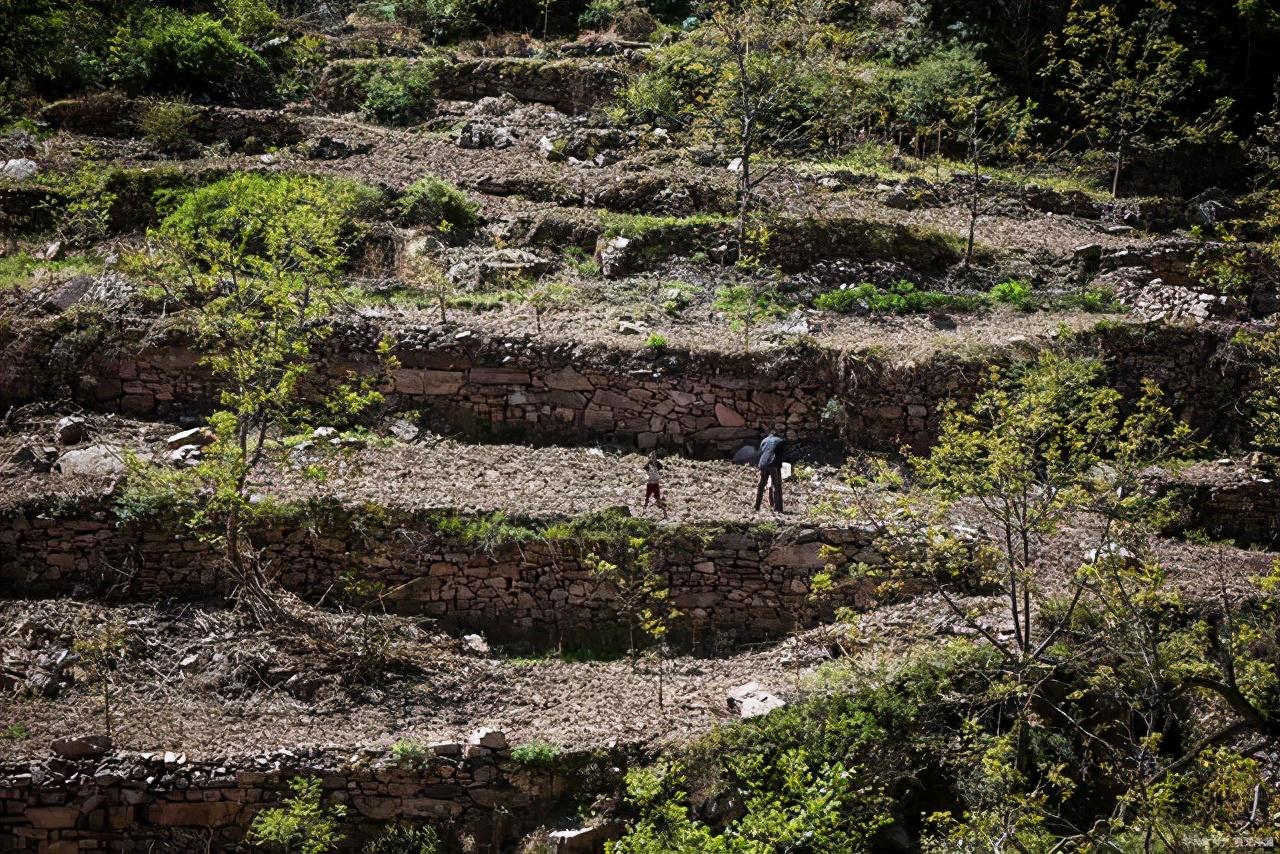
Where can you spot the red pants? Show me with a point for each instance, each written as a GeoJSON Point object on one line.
{"type": "Point", "coordinates": [653, 491]}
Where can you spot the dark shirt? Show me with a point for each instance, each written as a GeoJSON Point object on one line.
{"type": "Point", "coordinates": [771, 451]}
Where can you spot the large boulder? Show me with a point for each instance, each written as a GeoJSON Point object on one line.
{"type": "Point", "coordinates": [92, 461]}
{"type": "Point", "coordinates": [82, 746]}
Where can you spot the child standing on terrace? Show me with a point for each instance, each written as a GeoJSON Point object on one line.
{"type": "Point", "coordinates": [653, 491]}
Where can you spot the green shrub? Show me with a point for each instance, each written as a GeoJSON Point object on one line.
{"type": "Point", "coordinates": [902, 297]}
{"type": "Point", "coordinates": [1013, 292]}
{"type": "Point", "coordinates": [433, 201]}
{"type": "Point", "coordinates": [581, 262]}
{"type": "Point", "coordinates": [167, 125]}
{"type": "Point", "coordinates": [842, 301]}
{"type": "Point", "coordinates": [302, 824]}
{"type": "Point", "coordinates": [405, 839]}
{"type": "Point", "coordinates": [14, 732]}
{"type": "Point", "coordinates": [438, 20]}
{"type": "Point", "coordinates": [1097, 300]}
{"type": "Point", "coordinates": [162, 50]}
{"type": "Point", "coordinates": [656, 341]}
{"type": "Point", "coordinates": [242, 209]}
{"type": "Point", "coordinates": [250, 19]}
{"type": "Point", "coordinates": [536, 753]}
{"type": "Point", "coordinates": [398, 92]}
{"type": "Point", "coordinates": [409, 755]}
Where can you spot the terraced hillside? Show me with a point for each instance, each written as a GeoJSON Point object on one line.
{"type": "Point", "coordinates": [336, 340]}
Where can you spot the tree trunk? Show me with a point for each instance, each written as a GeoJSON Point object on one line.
{"type": "Point", "coordinates": [1115, 177]}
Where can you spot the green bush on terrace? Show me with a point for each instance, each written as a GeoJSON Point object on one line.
{"type": "Point", "coordinates": [240, 214]}
{"type": "Point", "coordinates": [162, 50]}
{"type": "Point", "coordinates": [434, 201]}
{"type": "Point", "coordinates": [902, 297]}
{"type": "Point", "coordinates": [638, 225]}
{"type": "Point", "coordinates": [398, 92]}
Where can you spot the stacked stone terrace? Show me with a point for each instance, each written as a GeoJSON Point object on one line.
{"type": "Point", "coordinates": [549, 427]}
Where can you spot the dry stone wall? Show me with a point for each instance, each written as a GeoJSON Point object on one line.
{"type": "Point", "coordinates": [701, 403]}
{"type": "Point", "coordinates": [1230, 500]}
{"type": "Point", "coordinates": [162, 802]}
{"type": "Point", "coordinates": [732, 585]}
{"type": "Point", "coordinates": [569, 85]}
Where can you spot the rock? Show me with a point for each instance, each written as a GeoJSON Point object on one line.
{"type": "Point", "coordinates": [31, 458]}
{"type": "Point", "coordinates": [324, 433]}
{"type": "Point", "coordinates": [500, 265]}
{"type": "Point", "coordinates": [735, 165]}
{"type": "Point", "coordinates": [752, 700]}
{"type": "Point", "coordinates": [629, 327]}
{"type": "Point", "coordinates": [53, 252]}
{"type": "Point", "coordinates": [81, 746]}
{"type": "Point", "coordinates": [403, 430]}
{"type": "Point", "coordinates": [198, 436]}
{"type": "Point", "coordinates": [19, 169]}
{"type": "Point", "coordinates": [583, 840]}
{"type": "Point", "coordinates": [746, 455]}
{"type": "Point", "coordinates": [1112, 551]}
{"type": "Point", "coordinates": [1087, 255]}
{"type": "Point", "coordinates": [92, 461]}
{"type": "Point", "coordinates": [69, 430]}
{"type": "Point", "coordinates": [1118, 229]}
{"type": "Point", "coordinates": [187, 455]}
{"type": "Point", "coordinates": [899, 199]}
{"type": "Point", "coordinates": [550, 150]}
{"type": "Point", "coordinates": [612, 257]}
{"type": "Point", "coordinates": [331, 148]}
{"type": "Point", "coordinates": [476, 644]}
{"type": "Point", "coordinates": [493, 739]}
{"type": "Point", "coordinates": [69, 293]}
{"type": "Point", "coordinates": [567, 379]}
{"type": "Point", "coordinates": [728, 417]}
{"type": "Point", "coordinates": [942, 320]}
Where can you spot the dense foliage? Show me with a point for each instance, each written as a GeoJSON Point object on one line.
{"type": "Point", "coordinates": [1106, 713]}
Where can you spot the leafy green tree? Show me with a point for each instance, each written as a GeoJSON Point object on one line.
{"type": "Point", "coordinates": [638, 591]}
{"type": "Point", "coordinates": [989, 127]}
{"type": "Point", "coordinates": [1036, 452]}
{"type": "Point", "coordinates": [1128, 78]}
{"type": "Point", "coordinates": [545, 296]}
{"type": "Point", "coordinates": [753, 77]}
{"type": "Point", "coordinates": [100, 653]}
{"type": "Point", "coordinates": [260, 258]}
{"type": "Point", "coordinates": [746, 306]}
{"type": "Point", "coordinates": [425, 274]}
{"type": "Point", "coordinates": [303, 825]}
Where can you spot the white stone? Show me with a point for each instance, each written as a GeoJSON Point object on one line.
{"type": "Point", "coordinates": [19, 169]}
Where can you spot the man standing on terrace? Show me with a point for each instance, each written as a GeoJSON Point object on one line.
{"type": "Point", "coordinates": [770, 464]}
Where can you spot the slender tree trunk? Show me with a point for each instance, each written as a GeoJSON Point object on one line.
{"type": "Point", "coordinates": [1115, 176]}
{"type": "Point", "coordinates": [106, 703]}
{"type": "Point", "coordinates": [744, 188]}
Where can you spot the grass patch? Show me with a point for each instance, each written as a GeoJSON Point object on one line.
{"type": "Point", "coordinates": [878, 161]}
{"type": "Point", "coordinates": [14, 732]}
{"type": "Point", "coordinates": [17, 270]}
{"type": "Point", "coordinates": [536, 753]}
{"type": "Point", "coordinates": [581, 262]}
{"type": "Point", "coordinates": [638, 225]}
{"type": "Point", "coordinates": [902, 297]}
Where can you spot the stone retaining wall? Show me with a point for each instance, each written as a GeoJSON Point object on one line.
{"type": "Point", "coordinates": [732, 585]}
{"type": "Point", "coordinates": [1230, 500]}
{"type": "Point", "coordinates": [164, 803]}
{"type": "Point", "coordinates": [703, 404]}
{"type": "Point", "coordinates": [569, 85]}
